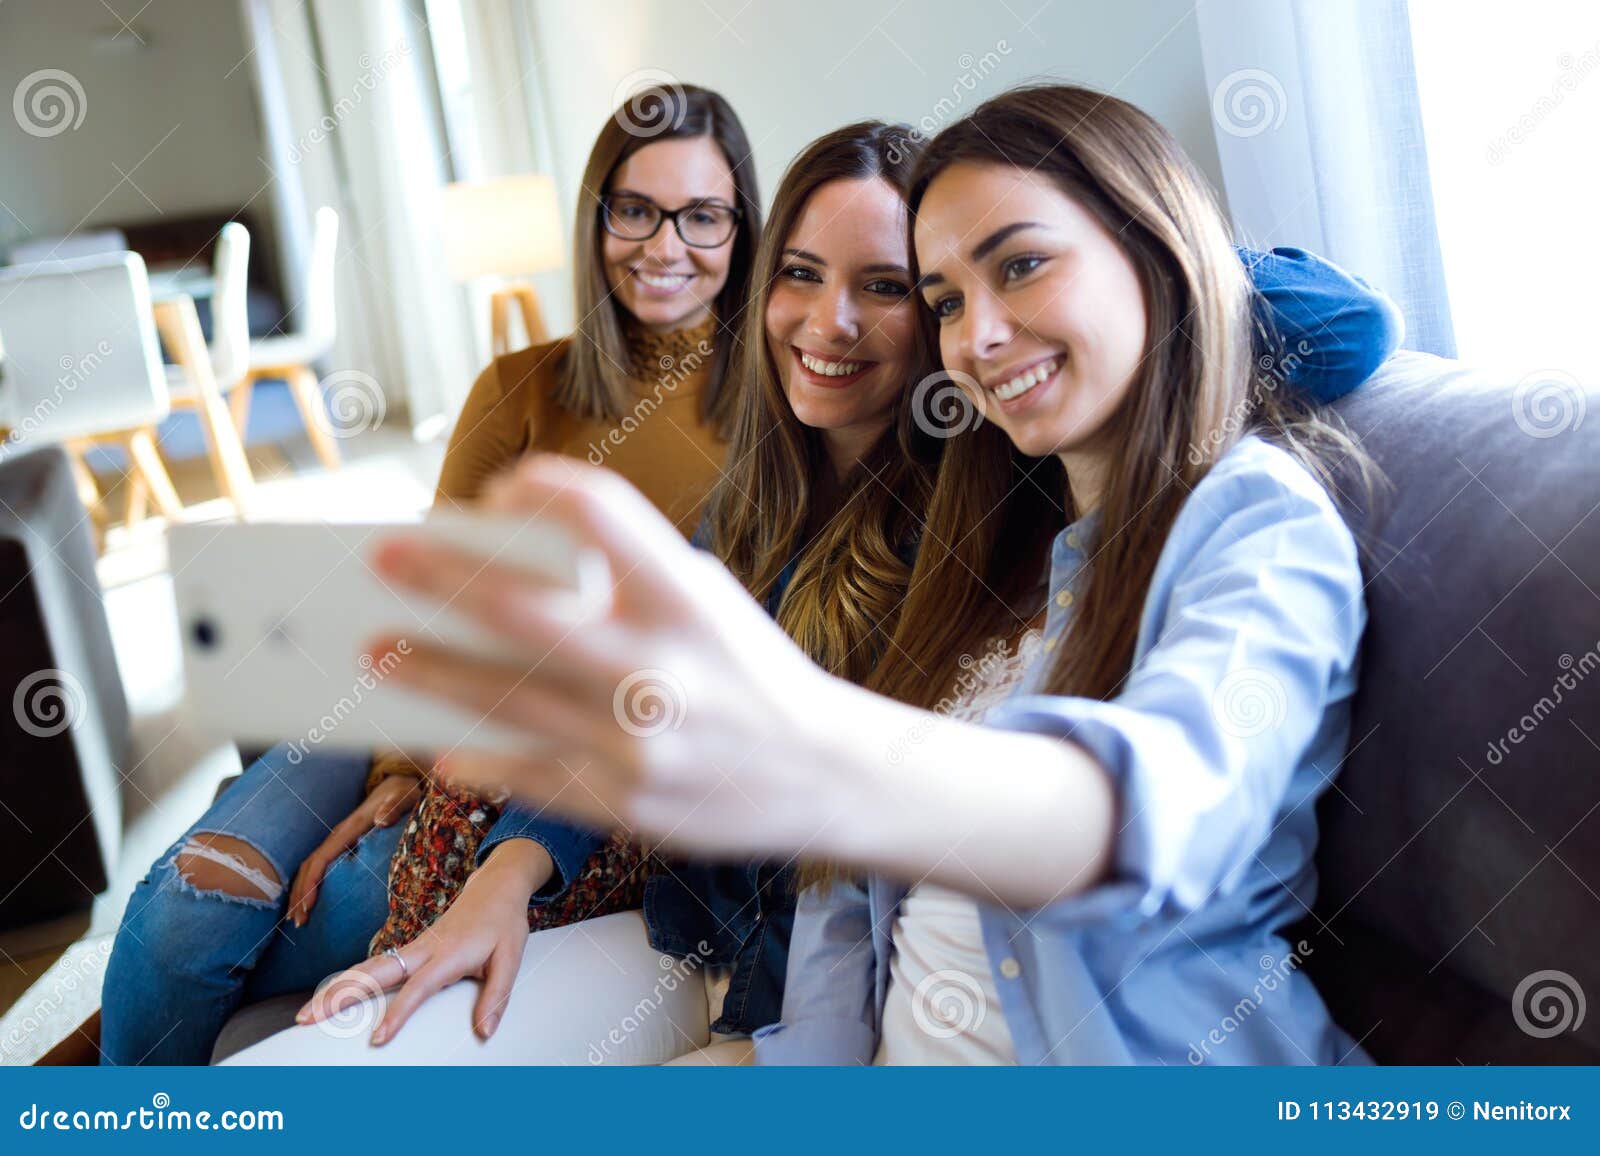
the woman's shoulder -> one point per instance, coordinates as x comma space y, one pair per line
1261, 490
1255, 470
538, 367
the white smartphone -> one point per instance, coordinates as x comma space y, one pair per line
275, 618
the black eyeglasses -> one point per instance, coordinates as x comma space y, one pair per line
632, 217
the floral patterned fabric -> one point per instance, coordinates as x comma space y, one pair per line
439, 848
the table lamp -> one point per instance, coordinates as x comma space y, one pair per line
506, 227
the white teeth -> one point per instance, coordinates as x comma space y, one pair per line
1023, 382
660, 281
831, 368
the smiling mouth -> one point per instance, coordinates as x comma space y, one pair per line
1028, 380
830, 372
663, 280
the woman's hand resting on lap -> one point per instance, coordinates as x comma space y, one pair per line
480, 936
388, 802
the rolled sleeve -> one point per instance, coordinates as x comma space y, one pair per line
569, 846
1254, 640
1326, 331
829, 996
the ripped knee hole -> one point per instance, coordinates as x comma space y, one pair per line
228, 865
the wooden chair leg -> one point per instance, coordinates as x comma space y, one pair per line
314, 412
179, 326
239, 405
150, 473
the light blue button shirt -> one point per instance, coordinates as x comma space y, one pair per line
1233, 720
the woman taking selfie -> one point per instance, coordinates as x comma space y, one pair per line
285, 879
1119, 806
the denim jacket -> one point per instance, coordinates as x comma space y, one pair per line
1325, 332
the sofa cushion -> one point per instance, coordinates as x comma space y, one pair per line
1460, 860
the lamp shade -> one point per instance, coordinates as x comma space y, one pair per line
501, 227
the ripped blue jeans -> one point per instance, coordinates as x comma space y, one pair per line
185, 959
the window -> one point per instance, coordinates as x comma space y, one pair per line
1510, 102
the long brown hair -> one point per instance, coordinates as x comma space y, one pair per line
995, 511
778, 499
593, 378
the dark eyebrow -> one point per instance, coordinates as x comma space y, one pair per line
696, 203
805, 256
900, 269
995, 239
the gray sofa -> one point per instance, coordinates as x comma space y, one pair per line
1459, 909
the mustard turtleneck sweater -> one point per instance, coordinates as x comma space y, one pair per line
660, 446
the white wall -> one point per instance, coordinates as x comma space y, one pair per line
795, 70
175, 96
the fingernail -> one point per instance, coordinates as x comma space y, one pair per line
303, 1015
380, 1037
489, 1025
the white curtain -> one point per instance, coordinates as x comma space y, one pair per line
351, 113
1319, 133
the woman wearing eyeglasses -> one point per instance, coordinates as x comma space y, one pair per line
288, 876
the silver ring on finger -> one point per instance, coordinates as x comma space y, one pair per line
394, 954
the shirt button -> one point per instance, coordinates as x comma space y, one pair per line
1010, 968
1072, 540
1049, 644
1064, 598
